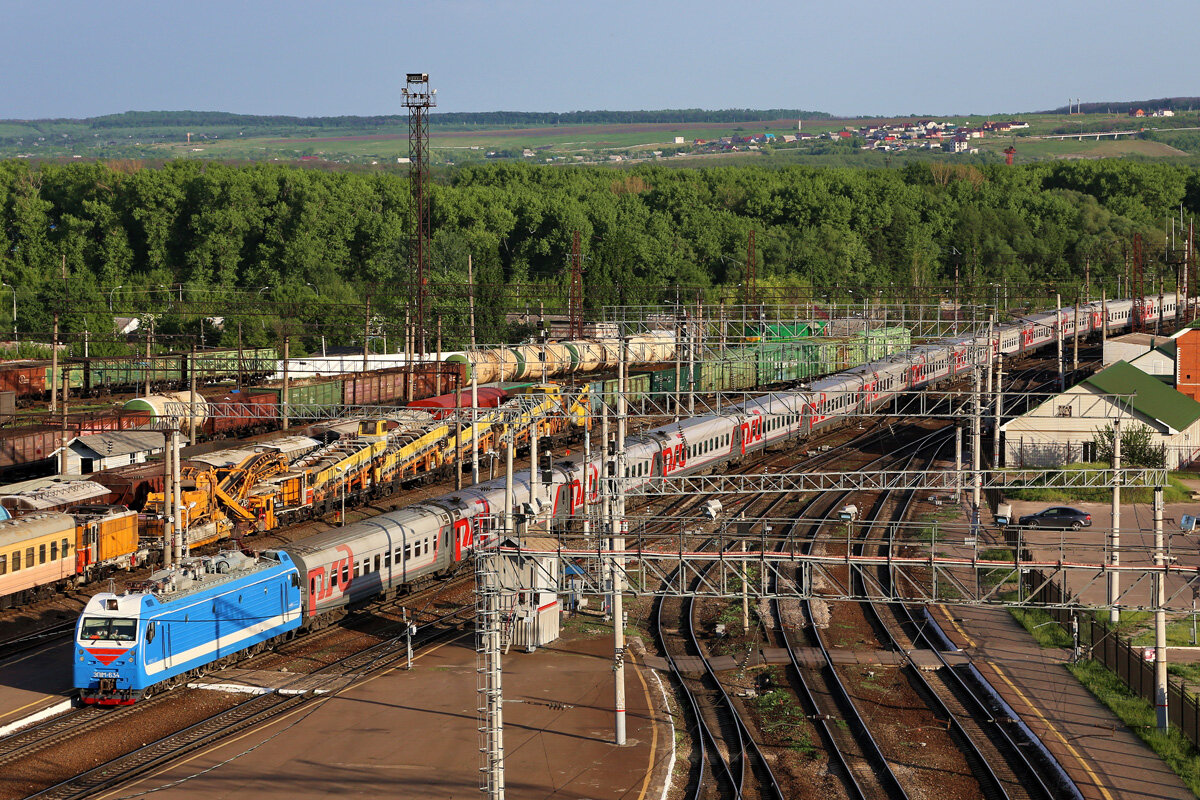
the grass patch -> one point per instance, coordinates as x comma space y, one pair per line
1172, 746
1041, 626
1179, 633
781, 716
1174, 492
1188, 673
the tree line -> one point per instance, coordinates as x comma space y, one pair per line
301, 251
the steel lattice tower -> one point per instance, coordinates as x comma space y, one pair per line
418, 99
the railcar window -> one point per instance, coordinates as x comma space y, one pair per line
407, 552
3, 565
66, 547
41, 554
387, 558
54, 551
345, 574
377, 563
29, 556
333, 580
16, 560
112, 628
399, 555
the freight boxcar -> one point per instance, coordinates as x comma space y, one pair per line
131, 484
241, 414
444, 405
733, 369
310, 392
27, 378
28, 451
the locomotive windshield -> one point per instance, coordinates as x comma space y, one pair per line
112, 628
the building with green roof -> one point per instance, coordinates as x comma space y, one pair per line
1061, 430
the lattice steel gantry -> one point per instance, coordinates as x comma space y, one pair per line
418, 99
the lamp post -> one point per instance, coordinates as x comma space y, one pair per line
261, 290
110, 295
14, 307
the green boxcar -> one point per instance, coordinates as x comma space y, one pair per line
222, 364
322, 393
785, 331
736, 368
883, 342
780, 362
74, 376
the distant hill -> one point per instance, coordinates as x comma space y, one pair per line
1125, 106
159, 120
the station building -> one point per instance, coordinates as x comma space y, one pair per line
1062, 430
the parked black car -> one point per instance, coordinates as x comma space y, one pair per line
1057, 517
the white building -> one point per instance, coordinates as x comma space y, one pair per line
1061, 430
530, 604
101, 451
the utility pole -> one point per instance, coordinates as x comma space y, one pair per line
958, 462
192, 397
1160, 616
176, 505
1075, 338
367, 333
999, 411
618, 545
474, 377
1114, 539
976, 476
168, 545
284, 405
1058, 340
62, 437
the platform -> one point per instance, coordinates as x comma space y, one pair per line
260, 681
413, 734
35, 684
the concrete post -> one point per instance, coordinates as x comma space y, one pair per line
958, 463
168, 545
999, 412
976, 436
1114, 539
1160, 616
1058, 340
176, 503
618, 545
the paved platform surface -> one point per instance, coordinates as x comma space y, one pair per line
34, 680
413, 734
1104, 758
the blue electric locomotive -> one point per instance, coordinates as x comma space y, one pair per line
197, 614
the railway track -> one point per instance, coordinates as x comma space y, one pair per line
1010, 764
1002, 762
730, 763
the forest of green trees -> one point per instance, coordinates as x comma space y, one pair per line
213, 236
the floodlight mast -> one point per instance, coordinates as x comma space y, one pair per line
418, 98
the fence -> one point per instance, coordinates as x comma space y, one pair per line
1120, 657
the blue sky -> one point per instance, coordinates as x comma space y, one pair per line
74, 58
